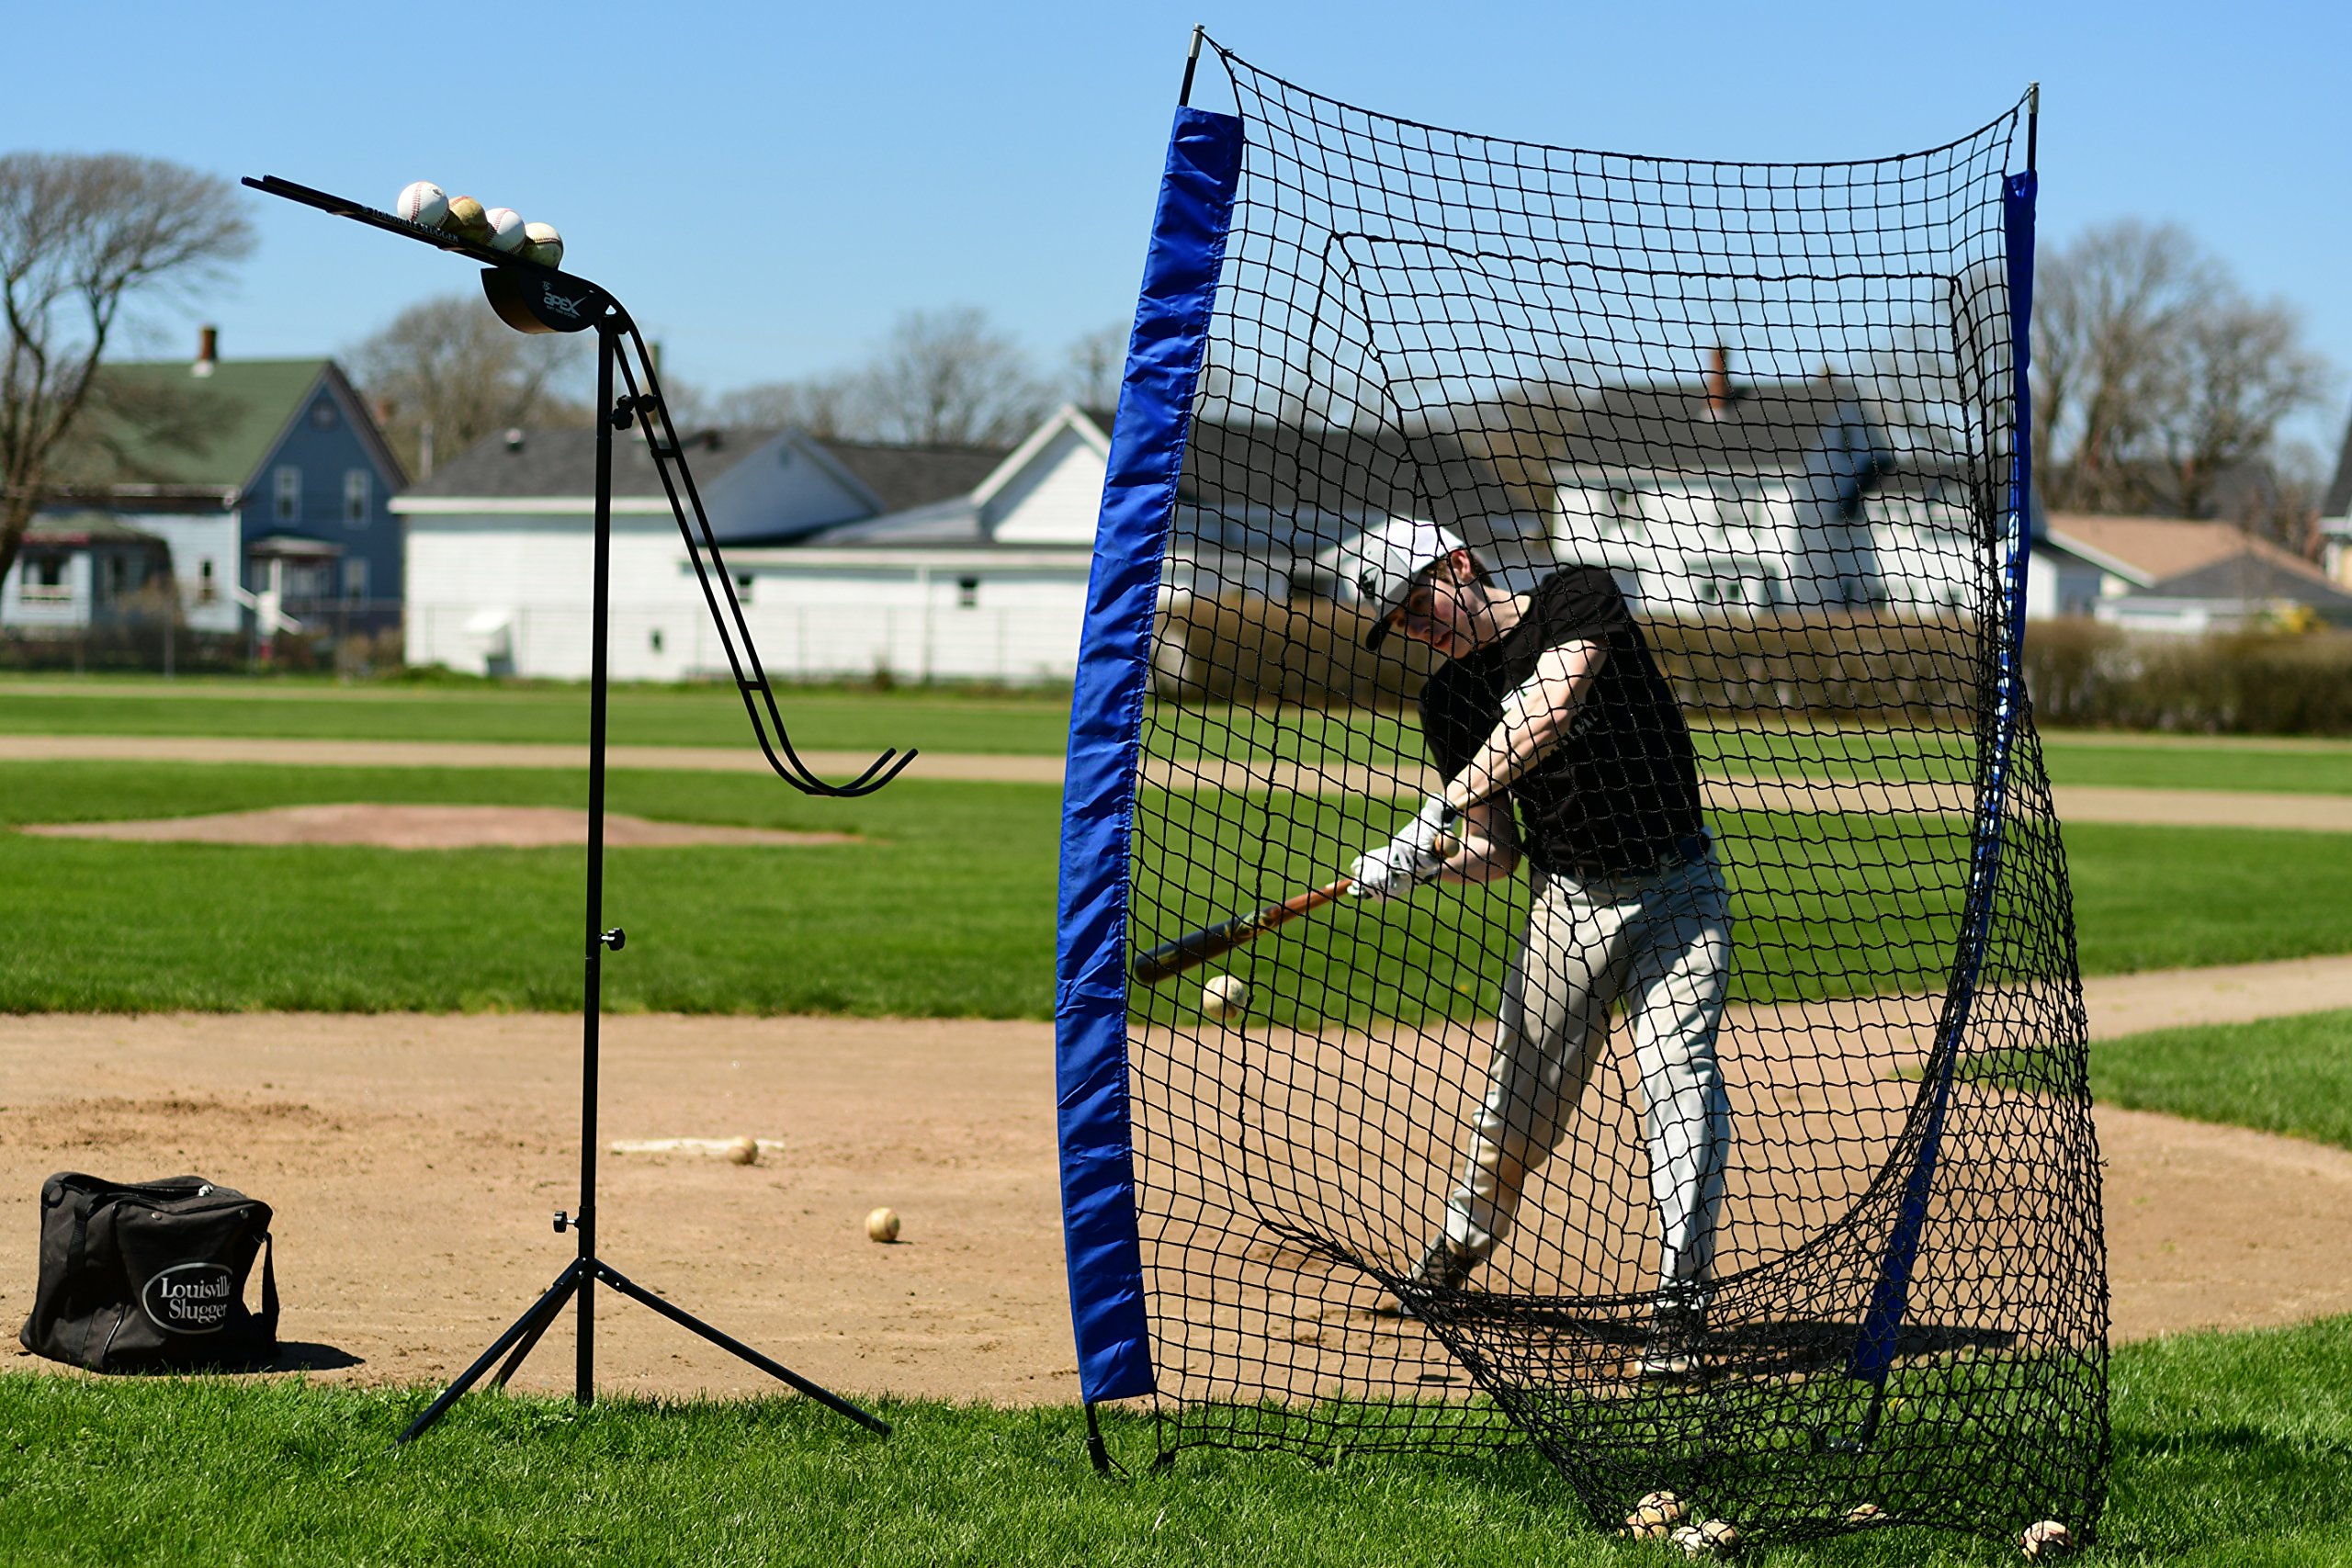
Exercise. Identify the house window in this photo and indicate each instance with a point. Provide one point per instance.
(1625, 514)
(655, 639)
(44, 581)
(287, 503)
(967, 593)
(355, 488)
(117, 576)
(355, 579)
(322, 413)
(207, 590)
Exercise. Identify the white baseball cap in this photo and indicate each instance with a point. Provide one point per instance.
(1378, 568)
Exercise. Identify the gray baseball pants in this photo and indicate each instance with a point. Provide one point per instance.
(1660, 943)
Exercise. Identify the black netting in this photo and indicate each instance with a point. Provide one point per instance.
(1772, 404)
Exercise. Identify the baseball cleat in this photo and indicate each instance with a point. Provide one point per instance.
(1677, 1334)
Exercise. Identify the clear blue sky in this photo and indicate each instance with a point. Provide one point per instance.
(768, 186)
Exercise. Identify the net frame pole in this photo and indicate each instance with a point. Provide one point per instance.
(1874, 1348)
(1164, 356)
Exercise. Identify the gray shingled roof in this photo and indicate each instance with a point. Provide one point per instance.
(2339, 494)
(1766, 428)
(563, 462)
(904, 476)
(2255, 576)
(1500, 458)
(1336, 470)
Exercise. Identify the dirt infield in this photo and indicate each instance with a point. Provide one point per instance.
(425, 827)
(413, 1161)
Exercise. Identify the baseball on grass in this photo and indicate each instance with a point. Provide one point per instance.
(882, 1224)
(506, 229)
(1712, 1539)
(2046, 1537)
(744, 1151)
(466, 220)
(422, 203)
(1224, 996)
(1654, 1515)
(542, 245)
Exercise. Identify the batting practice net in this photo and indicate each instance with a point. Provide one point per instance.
(1707, 1105)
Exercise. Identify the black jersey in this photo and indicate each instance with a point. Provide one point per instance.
(1621, 789)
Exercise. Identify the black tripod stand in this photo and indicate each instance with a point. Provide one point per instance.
(539, 299)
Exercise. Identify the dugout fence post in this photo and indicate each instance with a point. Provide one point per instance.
(537, 300)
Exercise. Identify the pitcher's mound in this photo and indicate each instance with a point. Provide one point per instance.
(427, 828)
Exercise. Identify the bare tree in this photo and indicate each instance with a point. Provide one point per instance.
(828, 407)
(1094, 365)
(2244, 370)
(83, 239)
(2154, 375)
(941, 379)
(449, 373)
(948, 379)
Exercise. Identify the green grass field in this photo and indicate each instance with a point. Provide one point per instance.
(2290, 1075)
(2230, 1449)
(1036, 723)
(822, 717)
(953, 911)
(945, 909)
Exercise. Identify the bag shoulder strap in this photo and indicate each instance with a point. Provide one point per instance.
(269, 1284)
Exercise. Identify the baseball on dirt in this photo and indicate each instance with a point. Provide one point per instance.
(506, 229)
(882, 1226)
(422, 203)
(2046, 1539)
(1224, 996)
(1656, 1514)
(744, 1151)
(542, 245)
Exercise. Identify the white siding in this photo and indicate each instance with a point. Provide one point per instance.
(59, 609)
(1053, 499)
(1697, 547)
(538, 570)
(780, 480)
(194, 540)
(820, 614)
(856, 618)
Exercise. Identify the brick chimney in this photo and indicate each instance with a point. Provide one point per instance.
(1718, 382)
(207, 350)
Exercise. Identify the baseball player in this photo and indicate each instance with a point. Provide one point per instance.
(1549, 704)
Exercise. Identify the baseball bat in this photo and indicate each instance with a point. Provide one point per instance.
(1196, 948)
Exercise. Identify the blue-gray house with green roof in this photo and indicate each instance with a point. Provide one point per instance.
(271, 493)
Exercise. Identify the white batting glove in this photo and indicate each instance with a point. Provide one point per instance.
(1406, 861)
(1436, 820)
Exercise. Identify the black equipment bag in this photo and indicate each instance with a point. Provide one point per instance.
(149, 1275)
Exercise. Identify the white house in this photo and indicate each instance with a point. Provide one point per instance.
(1711, 497)
(989, 584)
(847, 559)
(2174, 575)
(2336, 515)
(82, 572)
(265, 480)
